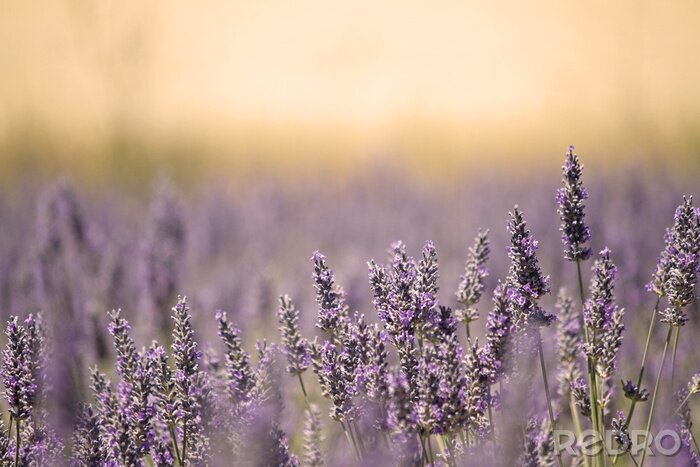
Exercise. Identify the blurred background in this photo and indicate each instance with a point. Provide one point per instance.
(120, 91)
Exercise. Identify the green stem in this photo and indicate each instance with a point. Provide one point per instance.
(424, 457)
(351, 442)
(549, 398)
(17, 445)
(577, 423)
(303, 389)
(656, 390)
(430, 450)
(453, 459)
(466, 325)
(650, 332)
(491, 425)
(673, 358)
(173, 435)
(184, 442)
(358, 437)
(591, 367)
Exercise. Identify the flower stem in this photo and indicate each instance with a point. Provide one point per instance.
(173, 435)
(351, 442)
(592, 386)
(549, 398)
(577, 423)
(17, 444)
(650, 332)
(303, 389)
(673, 358)
(656, 390)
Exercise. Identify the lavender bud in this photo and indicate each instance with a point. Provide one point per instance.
(681, 247)
(525, 280)
(313, 438)
(17, 371)
(330, 367)
(581, 397)
(241, 380)
(87, 448)
(499, 326)
(571, 197)
(329, 296)
(610, 344)
(472, 284)
(568, 343)
(621, 433)
(296, 348)
(634, 392)
(426, 288)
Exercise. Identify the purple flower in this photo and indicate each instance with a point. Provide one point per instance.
(526, 284)
(571, 197)
(472, 282)
(296, 347)
(329, 296)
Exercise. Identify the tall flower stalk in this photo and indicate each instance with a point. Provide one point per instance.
(575, 236)
(682, 264)
(528, 284)
(472, 284)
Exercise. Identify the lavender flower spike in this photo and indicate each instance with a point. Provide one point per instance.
(568, 343)
(241, 379)
(472, 285)
(571, 197)
(526, 283)
(17, 374)
(330, 298)
(683, 263)
(313, 437)
(296, 347)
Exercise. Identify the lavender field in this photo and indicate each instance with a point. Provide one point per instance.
(379, 321)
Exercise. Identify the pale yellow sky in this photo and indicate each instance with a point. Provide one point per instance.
(365, 76)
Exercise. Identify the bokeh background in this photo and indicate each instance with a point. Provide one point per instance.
(120, 91)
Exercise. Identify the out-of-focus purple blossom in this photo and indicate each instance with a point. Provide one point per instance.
(87, 447)
(296, 348)
(538, 449)
(686, 426)
(401, 415)
(568, 344)
(241, 380)
(499, 326)
(313, 438)
(571, 198)
(472, 282)
(163, 252)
